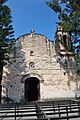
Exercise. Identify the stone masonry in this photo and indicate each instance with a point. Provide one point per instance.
(35, 58)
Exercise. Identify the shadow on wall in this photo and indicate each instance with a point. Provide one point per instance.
(13, 71)
(67, 63)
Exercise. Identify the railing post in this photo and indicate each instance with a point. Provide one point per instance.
(17, 109)
(67, 112)
(70, 104)
(37, 111)
(53, 108)
(79, 107)
(59, 109)
(15, 112)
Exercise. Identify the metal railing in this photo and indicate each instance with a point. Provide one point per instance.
(51, 110)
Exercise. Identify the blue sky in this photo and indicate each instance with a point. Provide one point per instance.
(32, 14)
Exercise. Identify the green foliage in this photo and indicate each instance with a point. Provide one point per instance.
(54, 6)
(6, 34)
(68, 12)
(77, 57)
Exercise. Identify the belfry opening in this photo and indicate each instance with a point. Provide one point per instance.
(32, 89)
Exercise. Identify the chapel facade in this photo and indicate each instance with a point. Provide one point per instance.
(40, 70)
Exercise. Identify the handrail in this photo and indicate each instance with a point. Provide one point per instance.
(42, 111)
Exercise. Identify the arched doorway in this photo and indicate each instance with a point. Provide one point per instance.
(32, 89)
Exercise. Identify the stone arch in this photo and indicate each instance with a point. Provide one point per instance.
(31, 84)
(31, 75)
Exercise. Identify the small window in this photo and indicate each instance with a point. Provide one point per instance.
(64, 73)
(31, 65)
(31, 53)
(60, 36)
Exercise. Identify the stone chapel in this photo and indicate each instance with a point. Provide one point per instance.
(40, 70)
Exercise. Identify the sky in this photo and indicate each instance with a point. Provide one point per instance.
(33, 14)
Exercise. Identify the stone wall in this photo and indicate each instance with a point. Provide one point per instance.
(35, 56)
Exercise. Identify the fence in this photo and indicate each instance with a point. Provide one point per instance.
(51, 110)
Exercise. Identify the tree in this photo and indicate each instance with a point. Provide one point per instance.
(6, 35)
(68, 12)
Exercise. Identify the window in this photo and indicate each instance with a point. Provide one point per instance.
(60, 36)
(31, 65)
(64, 39)
(31, 53)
